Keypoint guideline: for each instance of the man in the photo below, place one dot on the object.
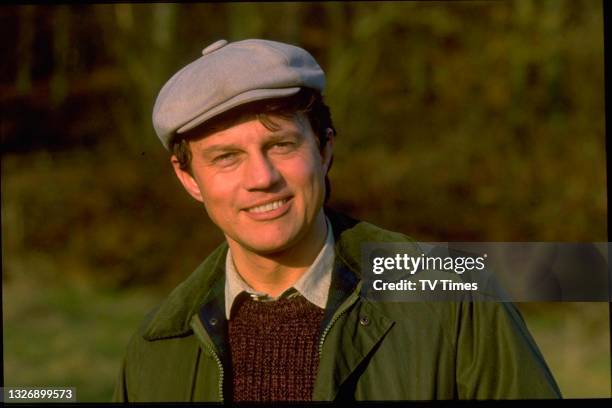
(277, 312)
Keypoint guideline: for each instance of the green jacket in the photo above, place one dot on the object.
(368, 350)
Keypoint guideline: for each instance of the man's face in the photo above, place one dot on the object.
(264, 188)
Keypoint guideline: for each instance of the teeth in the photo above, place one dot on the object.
(267, 207)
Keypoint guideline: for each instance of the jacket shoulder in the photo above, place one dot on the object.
(351, 235)
(348, 228)
(157, 370)
(165, 339)
(172, 317)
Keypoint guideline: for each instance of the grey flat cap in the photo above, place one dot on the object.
(228, 75)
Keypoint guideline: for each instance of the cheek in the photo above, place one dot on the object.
(305, 174)
(217, 193)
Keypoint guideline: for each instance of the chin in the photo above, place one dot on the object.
(269, 246)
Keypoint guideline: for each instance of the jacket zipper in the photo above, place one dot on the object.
(197, 327)
(337, 316)
(221, 371)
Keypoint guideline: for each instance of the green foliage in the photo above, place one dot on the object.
(99, 217)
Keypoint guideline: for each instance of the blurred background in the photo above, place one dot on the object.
(466, 121)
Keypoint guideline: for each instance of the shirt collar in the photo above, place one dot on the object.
(313, 284)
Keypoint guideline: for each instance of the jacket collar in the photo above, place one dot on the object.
(173, 317)
(204, 286)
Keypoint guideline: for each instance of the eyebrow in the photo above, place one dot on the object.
(219, 148)
(281, 135)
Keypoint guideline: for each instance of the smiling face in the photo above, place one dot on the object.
(263, 187)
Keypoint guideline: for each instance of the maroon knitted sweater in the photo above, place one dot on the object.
(273, 349)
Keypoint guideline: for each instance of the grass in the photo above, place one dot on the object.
(575, 341)
(68, 335)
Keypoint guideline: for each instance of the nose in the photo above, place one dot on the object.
(260, 173)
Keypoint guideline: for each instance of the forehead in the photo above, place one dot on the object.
(250, 123)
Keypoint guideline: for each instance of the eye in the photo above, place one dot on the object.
(283, 147)
(226, 159)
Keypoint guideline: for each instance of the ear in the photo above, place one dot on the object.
(328, 152)
(187, 180)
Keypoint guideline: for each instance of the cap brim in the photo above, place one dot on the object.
(241, 99)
